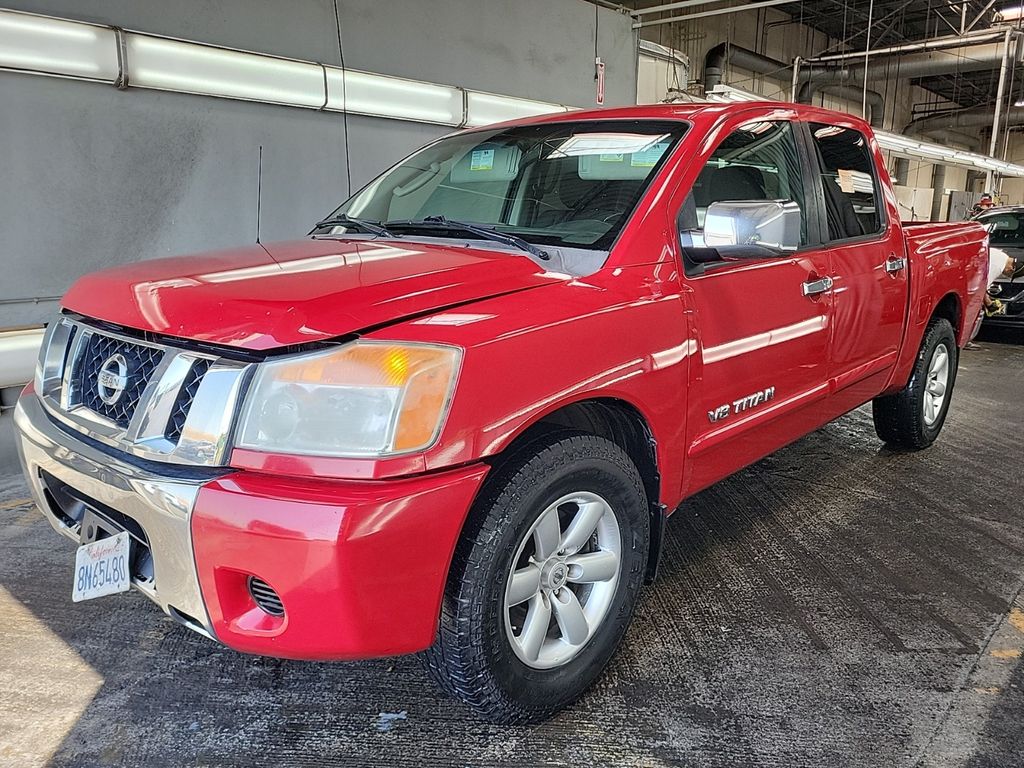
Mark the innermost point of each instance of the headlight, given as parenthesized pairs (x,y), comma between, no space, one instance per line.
(363,399)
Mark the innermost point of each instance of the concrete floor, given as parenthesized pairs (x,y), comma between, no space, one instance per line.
(837,604)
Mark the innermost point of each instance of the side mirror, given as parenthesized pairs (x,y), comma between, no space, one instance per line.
(770,224)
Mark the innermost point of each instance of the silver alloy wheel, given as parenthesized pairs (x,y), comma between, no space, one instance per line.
(936,384)
(562,580)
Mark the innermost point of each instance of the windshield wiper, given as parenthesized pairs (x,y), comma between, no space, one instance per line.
(344,220)
(484,233)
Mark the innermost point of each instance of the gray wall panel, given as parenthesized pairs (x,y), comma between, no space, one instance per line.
(110,176)
(542,49)
(93,176)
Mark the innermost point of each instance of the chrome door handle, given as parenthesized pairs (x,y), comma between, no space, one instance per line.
(814,287)
(895,264)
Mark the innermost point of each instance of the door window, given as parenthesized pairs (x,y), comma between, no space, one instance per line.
(757,162)
(848,182)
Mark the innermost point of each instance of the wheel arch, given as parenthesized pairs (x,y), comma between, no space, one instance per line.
(622,423)
(949,308)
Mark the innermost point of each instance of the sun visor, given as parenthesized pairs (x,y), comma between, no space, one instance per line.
(487,162)
(622,165)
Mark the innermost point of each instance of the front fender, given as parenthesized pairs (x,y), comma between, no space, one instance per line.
(620,334)
(535,354)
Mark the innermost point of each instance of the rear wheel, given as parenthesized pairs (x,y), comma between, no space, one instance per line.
(913,417)
(544,579)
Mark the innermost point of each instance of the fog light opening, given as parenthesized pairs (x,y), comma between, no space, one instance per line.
(265,597)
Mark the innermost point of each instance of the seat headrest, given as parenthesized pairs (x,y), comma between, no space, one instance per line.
(736,182)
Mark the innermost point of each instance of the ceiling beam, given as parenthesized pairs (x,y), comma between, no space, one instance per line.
(981,13)
(716,12)
(674,6)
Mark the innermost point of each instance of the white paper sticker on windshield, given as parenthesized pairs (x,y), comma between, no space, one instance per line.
(481,160)
(649,157)
(612,158)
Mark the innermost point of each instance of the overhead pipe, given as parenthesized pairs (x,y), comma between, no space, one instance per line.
(965,121)
(967,58)
(944,136)
(704,14)
(725,53)
(875,101)
(933,44)
(970,58)
(722,54)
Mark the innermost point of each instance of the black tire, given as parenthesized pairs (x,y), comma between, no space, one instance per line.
(473,658)
(900,418)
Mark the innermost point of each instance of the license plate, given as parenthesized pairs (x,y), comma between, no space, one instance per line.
(101,568)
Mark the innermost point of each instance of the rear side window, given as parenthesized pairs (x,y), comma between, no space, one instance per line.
(849,182)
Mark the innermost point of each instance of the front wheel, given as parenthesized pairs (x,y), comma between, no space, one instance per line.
(544,579)
(913,417)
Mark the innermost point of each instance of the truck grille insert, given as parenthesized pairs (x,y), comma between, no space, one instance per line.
(159,399)
(183,403)
(265,597)
(141,363)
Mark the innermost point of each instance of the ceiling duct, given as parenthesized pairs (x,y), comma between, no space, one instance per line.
(725,54)
(928,63)
(875,101)
(967,121)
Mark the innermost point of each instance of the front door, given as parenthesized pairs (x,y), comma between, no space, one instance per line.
(762,319)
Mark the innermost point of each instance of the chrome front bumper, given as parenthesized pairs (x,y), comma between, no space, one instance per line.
(161,505)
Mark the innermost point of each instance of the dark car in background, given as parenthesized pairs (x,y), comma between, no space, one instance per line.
(1006,233)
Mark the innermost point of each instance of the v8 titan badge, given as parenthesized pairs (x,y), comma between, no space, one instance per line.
(741,405)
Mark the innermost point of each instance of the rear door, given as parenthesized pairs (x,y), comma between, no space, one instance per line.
(869,263)
(762,322)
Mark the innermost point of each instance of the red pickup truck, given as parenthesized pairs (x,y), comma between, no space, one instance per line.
(453,420)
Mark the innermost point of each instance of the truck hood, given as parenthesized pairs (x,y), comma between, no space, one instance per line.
(262,297)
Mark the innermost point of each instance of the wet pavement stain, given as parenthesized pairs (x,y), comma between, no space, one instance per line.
(836,604)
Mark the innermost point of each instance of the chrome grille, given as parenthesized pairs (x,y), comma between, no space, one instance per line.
(142,362)
(186,396)
(175,404)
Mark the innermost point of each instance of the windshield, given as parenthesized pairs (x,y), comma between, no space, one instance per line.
(1006,228)
(571,184)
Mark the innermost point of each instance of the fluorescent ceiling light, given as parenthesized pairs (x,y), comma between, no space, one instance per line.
(726,93)
(487,108)
(57,47)
(33,43)
(894,141)
(173,65)
(1011,13)
(934,150)
(366,93)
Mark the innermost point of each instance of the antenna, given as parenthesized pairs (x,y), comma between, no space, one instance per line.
(259,196)
(344,98)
